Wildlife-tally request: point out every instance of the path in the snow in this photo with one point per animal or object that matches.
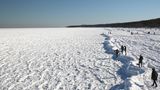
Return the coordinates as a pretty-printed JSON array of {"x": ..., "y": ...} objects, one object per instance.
[
  {"x": 55, "y": 59},
  {"x": 127, "y": 69},
  {"x": 148, "y": 45}
]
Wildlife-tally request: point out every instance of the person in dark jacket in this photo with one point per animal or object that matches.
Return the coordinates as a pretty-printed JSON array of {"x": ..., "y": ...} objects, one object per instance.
[
  {"x": 122, "y": 49},
  {"x": 117, "y": 52},
  {"x": 140, "y": 61},
  {"x": 125, "y": 49},
  {"x": 154, "y": 77},
  {"x": 154, "y": 33}
]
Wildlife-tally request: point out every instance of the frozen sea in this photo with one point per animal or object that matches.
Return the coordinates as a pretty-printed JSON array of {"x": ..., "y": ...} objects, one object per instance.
[{"x": 78, "y": 58}]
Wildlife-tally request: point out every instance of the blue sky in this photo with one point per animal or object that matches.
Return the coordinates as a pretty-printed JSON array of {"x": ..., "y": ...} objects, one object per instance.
[{"x": 72, "y": 12}]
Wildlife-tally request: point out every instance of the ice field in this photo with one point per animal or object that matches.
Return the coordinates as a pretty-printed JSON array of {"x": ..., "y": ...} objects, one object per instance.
[{"x": 77, "y": 58}]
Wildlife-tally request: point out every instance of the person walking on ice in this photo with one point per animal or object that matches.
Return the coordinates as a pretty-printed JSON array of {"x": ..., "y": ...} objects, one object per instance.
[
  {"x": 122, "y": 49},
  {"x": 117, "y": 52},
  {"x": 154, "y": 77},
  {"x": 140, "y": 61},
  {"x": 125, "y": 49}
]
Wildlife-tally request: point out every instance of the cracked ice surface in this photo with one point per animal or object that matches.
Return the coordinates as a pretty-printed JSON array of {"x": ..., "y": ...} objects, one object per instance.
[{"x": 55, "y": 59}]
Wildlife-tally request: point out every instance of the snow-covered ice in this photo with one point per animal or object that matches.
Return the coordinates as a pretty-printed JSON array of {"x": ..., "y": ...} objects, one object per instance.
[
  {"x": 140, "y": 43},
  {"x": 77, "y": 59}
]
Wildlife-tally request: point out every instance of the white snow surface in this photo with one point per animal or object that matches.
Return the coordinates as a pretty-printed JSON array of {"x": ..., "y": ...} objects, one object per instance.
[{"x": 77, "y": 59}]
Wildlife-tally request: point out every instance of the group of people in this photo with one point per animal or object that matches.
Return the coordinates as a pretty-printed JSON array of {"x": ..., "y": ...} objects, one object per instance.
[
  {"x": 123, "y": 49},
  {"x": 150, "y": 33},
  {"x": 154, "y": 74},
  {"x": 146, "y": 32},
  {"x": 109, "y": 33}
]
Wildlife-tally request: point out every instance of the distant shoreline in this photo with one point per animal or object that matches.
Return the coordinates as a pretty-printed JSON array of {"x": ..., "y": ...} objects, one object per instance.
[{"x": 152, "y": 23}]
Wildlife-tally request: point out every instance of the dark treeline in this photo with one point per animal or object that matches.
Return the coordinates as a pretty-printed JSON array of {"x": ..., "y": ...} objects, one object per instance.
[{"x": 137, "y": 24}]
